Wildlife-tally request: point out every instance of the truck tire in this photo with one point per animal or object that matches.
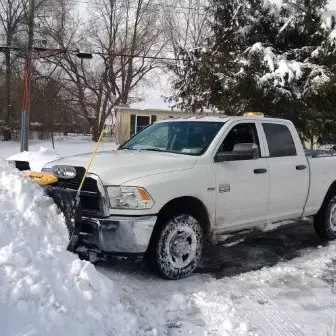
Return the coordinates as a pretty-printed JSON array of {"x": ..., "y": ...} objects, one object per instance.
[
  {"x": 325, "y": 219},
  {"x": 176, "y": 247}
]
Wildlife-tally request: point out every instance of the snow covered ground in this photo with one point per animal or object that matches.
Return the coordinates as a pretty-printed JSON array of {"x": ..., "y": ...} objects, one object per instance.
[{"x": 281, "y": 283}]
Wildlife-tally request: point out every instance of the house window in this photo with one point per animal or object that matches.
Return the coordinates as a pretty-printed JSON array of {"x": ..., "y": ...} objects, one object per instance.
[
  {"x": 139, "y": 122},
  {"x": 142, "y": 122}
]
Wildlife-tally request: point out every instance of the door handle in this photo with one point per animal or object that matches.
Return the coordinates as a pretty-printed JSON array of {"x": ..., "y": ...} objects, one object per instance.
[
  {"x": 260, "y": 171},
  {"x": 301, "y": 167}
]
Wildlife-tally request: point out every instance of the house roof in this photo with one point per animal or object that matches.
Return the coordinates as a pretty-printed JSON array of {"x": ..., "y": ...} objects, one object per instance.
[{"x": 154, "y": 102}]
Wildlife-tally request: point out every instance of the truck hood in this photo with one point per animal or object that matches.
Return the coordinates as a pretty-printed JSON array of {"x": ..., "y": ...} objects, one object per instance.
[{"x": 118, "y": 167}]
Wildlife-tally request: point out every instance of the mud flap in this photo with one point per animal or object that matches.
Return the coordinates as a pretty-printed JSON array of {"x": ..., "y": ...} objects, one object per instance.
[{"x": 65, "y": 201}]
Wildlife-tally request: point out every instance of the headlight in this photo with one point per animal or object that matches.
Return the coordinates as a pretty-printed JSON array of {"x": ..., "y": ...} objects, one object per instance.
[
  {"x": 62, "y": 172},
  {"x": 129, "y": 198}
]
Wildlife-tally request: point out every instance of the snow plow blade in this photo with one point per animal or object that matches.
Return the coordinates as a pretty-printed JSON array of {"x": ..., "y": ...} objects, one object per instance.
[{"x": 65, "y": 201}]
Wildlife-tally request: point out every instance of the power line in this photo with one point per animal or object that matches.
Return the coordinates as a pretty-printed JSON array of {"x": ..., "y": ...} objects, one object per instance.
[
  {"x": 193, "y": 8},
  {"x": 137, "y": 56},
  {"x": 100, "y": 53}
]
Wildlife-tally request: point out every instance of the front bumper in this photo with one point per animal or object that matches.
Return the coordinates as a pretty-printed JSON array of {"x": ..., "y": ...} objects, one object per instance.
[
  {"x": 117, "y": 234},
  {"x": 93, "y": 226}
]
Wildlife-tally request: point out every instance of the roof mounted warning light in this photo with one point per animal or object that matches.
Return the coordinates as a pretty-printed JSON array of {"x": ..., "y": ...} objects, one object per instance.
[{"x": 253, "y": 114}]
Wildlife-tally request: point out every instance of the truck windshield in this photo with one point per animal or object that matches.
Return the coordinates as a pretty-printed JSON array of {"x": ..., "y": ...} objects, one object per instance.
[{"x": 181, "y": 137}]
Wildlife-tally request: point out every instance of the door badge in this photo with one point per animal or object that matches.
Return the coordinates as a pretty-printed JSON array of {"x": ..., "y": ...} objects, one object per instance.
[{"x": 223, "y": 188}]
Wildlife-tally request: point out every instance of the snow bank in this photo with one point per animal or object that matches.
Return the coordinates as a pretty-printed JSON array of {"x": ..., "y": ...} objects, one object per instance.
[
  {"x": 45, "y": 290},
  {"x": 37, "y": 159}
]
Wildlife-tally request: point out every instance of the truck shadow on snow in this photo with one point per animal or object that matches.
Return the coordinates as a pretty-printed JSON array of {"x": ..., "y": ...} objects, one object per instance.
[{"x": 254, "y": 253}]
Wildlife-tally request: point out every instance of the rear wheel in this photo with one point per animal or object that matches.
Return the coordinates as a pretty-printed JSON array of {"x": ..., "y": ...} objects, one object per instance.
[
  {"x": 176, "y": 247},
  {"x": 325, "y": 220}
]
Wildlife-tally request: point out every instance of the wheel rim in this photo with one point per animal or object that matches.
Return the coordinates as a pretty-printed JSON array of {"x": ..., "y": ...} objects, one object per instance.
[
  {"x": 333, "y": 217},
  {"x": 182, "y": 246}
]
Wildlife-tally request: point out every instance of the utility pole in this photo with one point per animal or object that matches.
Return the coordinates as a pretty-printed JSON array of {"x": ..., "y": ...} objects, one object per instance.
[
  {"x": 27, "y": 79},
  {"x": 8, "y": 84}
]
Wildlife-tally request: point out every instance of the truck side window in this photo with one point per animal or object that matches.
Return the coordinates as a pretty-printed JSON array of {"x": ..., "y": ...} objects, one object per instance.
[
  {"x": 245, "y": 133},
  {"x": 280, "y": 140}
]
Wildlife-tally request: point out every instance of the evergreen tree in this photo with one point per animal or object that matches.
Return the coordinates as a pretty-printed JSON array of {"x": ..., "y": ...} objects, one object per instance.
[
  {"x": 279, "y": 60},
  {"x": 208, "y": 77}
]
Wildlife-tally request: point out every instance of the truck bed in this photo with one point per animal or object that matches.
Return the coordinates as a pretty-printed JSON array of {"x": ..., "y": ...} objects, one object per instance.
[
  {"x": 322, "y": 175},
  {"x": 317, "y": 153}
]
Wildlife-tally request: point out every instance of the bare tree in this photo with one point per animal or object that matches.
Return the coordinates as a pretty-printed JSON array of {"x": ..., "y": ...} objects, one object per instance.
[
  {"x": 13, "y": 32},
  {"x": 186, "y": 24},
  {"x": 12, "y": 13},
  {"x": 125, "y": 37}
]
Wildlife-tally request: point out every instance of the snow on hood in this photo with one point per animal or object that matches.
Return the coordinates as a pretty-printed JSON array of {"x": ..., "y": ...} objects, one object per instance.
[
  {"x": 118, "y": 167},
  {"x": 44, "y": 289}
]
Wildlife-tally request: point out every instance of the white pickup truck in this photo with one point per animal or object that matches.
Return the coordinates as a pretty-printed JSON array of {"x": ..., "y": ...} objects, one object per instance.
[{"x": 181, "y": 181}]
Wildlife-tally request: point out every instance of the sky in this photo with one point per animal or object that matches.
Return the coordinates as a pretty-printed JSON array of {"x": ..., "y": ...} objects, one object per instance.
[{"x": 332, "y": 4}]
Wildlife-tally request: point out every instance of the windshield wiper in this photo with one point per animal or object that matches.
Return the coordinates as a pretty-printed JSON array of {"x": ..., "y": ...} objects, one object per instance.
[{"x": 152, "y": 149}]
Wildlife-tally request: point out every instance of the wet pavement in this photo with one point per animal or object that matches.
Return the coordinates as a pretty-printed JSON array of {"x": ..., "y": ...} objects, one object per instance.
[
  {"x": 254, "y": 253},
  {"x": 266, "y": 249}
]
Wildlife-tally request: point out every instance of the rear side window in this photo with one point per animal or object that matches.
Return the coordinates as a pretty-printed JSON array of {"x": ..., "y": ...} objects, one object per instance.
[{"x": 280, "y": 140}]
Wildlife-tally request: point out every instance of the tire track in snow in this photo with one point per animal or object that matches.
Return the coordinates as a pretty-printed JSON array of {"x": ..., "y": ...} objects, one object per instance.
[
  {"x": 333, "y": 291},
  {"x": 277, "y": 321}
]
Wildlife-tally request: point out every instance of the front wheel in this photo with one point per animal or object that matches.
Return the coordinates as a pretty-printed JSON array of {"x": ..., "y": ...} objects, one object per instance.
[
  {"x": 325, "y": 220},
  {"x": 176, "y": 247}
]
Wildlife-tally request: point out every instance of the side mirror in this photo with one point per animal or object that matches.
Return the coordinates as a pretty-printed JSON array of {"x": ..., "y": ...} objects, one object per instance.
[{"x": 240, "y": 152}]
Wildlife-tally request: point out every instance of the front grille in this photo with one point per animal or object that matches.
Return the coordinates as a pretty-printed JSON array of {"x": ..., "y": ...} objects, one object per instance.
[
  {"x": 90, "y": 202},
  {"x": 90, "y": 184},
  {"x": 90, "y": 199}
]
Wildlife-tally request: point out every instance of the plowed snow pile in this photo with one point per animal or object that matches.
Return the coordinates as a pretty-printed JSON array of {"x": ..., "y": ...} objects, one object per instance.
[{"x": 45, "y": 290}]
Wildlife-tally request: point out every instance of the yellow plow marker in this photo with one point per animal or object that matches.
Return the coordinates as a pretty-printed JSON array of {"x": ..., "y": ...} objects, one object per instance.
[{"x": 43, "y": 178}]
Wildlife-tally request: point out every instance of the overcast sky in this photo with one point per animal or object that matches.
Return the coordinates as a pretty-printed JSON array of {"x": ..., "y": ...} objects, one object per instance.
[{"x": 332, "y": 4}]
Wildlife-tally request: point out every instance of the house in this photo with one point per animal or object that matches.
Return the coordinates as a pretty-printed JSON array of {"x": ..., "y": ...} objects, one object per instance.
[{"x": 130, "y": 120}]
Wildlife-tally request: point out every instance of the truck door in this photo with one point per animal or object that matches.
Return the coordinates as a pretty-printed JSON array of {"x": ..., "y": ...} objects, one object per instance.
[
  {"x": 242, "y": 181},
  {"x": 289, "y": 172}
]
